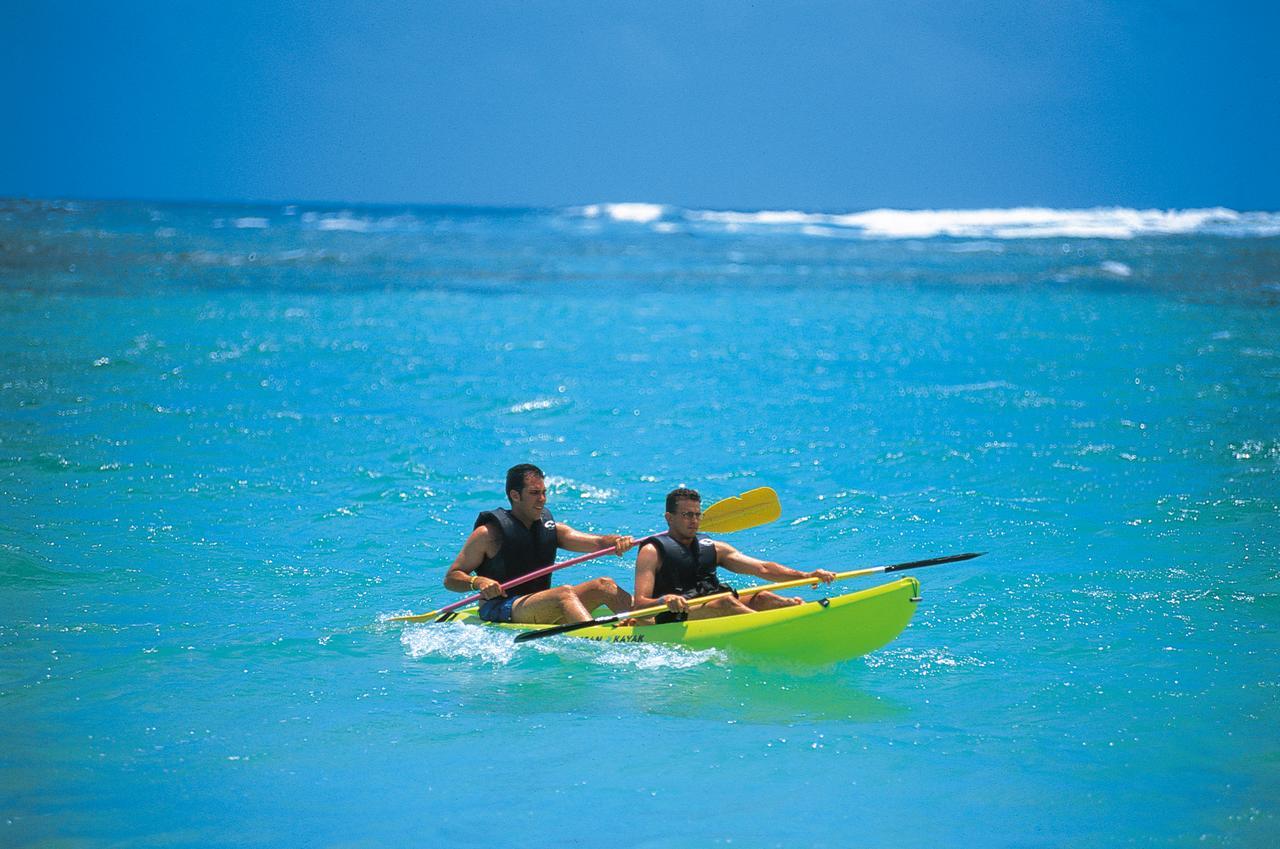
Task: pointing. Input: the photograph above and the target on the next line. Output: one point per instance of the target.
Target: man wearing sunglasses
(507, 543)
(681, 565)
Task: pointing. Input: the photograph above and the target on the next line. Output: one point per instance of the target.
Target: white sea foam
(537, 404)
(789, 217)
(985, 224)
(651, 655)
(636, 213)
(1119, 269)
(352, 222)
(455, 640)
(249, 223)
(458, 641)
(567, 486)
(341, 222)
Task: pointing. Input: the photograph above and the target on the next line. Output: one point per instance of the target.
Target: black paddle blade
(934, 561)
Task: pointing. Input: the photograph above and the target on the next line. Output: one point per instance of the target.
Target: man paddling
(680, 565)
(508, 543)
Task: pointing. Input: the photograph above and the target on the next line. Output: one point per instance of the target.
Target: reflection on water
(484, 671)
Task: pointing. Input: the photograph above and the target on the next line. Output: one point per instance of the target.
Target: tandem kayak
(816, 632)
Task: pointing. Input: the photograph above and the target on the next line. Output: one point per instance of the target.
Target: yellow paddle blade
(416, 617)
(753, 507)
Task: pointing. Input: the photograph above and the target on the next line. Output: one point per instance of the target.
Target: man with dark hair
(681, 565)
(507, 543)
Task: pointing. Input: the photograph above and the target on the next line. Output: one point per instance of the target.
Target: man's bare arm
(460, 576)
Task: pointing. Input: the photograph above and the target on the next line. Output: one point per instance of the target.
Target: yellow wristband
(473, 581)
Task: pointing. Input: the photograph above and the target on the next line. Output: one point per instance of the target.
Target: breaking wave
(1015, 223)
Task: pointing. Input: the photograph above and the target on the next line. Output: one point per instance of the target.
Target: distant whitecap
(636, 213)
(1118, 269)
(536, 404)
(342, 222)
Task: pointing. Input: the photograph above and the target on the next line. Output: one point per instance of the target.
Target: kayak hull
(816, 632)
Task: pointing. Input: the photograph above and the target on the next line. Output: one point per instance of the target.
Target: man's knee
(604, 585)
(562, 594)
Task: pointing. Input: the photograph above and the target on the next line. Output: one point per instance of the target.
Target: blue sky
(809, 105)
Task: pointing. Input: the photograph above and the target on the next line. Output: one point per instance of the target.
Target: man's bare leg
(604, 591)
(549, 607)
(728, 606)
(772, 601)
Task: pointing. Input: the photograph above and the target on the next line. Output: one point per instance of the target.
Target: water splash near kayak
(459, 641)
(636, 655)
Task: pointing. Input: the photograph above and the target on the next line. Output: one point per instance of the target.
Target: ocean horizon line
(1013, 222)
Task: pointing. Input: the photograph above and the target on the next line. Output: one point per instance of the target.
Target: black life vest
(521, 550)
(688, 571)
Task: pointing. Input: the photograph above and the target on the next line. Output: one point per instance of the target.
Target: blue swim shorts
(497, 609)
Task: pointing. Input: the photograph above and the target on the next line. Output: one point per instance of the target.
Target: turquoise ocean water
(232, 439)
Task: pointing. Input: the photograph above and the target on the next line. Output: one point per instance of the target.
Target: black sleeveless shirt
(689, 571)
(521, 549)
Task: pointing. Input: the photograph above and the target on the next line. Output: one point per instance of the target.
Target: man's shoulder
(489, 519)
(489, 526)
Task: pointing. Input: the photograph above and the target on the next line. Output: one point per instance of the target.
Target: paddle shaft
(643, 612)
(514, 582)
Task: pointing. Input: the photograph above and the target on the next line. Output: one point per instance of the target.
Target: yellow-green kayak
(824, 631)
